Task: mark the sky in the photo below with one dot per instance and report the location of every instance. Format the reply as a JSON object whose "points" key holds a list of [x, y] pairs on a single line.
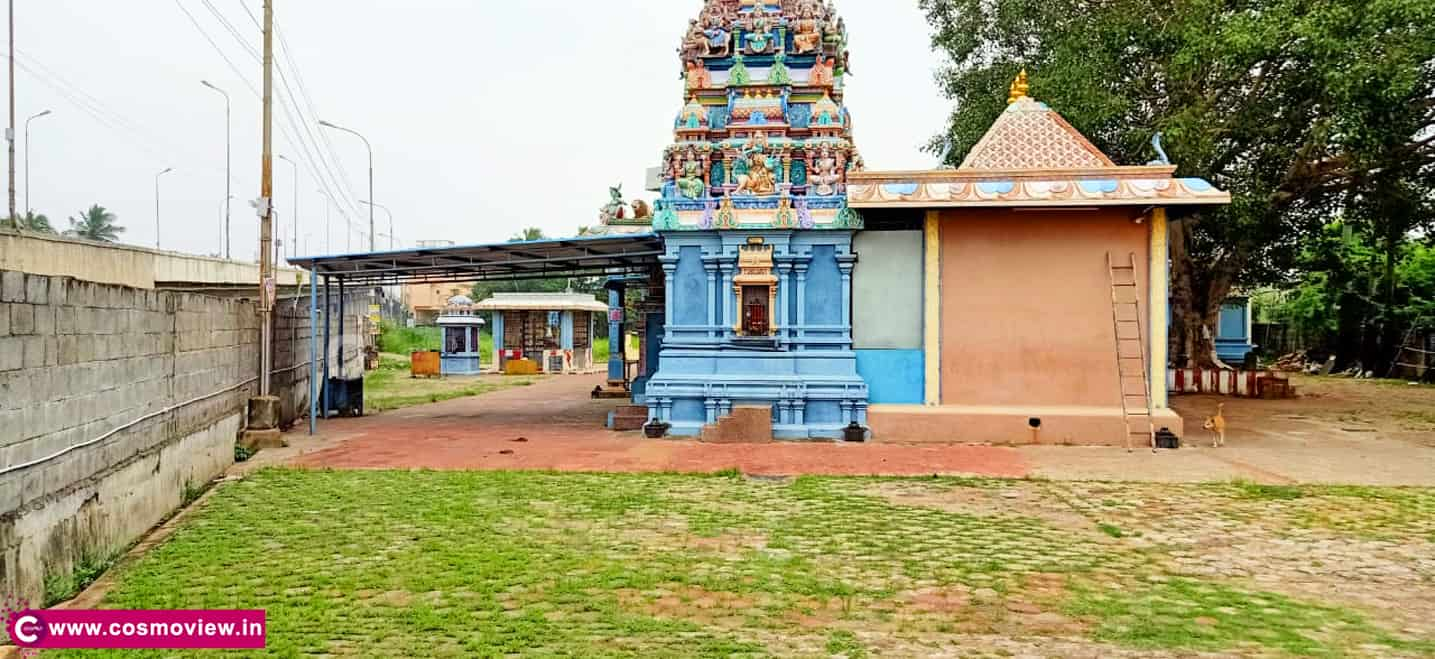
{"points": [[485, 116]]}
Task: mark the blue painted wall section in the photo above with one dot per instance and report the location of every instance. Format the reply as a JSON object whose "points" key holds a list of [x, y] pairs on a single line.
{"points": [[894, 377], [808, 376]]}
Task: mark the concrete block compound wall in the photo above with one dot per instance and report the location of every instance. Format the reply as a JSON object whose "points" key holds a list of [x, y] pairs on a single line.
{"points": [[79, 360]]}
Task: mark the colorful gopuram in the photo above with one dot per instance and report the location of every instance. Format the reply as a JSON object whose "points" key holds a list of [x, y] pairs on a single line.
{"points": [[758, 264]]}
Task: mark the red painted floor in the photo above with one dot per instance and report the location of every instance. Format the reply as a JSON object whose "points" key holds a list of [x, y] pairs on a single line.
{"points": [[554, 425]]}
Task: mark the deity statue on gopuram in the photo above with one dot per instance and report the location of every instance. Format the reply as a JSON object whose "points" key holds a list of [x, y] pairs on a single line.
{"points": [[761, 130]]}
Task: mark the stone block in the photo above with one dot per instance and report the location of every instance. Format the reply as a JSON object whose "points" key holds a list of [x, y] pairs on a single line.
{"points": [[748, 424], [37, 289], [59, 290], [12, 286], [261, 439], [4, 321], [44, 320], [34, 347], [22, 319]]}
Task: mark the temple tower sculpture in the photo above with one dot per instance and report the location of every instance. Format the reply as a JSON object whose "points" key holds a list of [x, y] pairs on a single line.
{"points": [[758, 264]]}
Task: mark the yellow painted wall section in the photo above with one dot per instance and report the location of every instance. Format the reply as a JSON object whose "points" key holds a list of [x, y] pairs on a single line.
{"points": [[1160, 302], [932, 313]]}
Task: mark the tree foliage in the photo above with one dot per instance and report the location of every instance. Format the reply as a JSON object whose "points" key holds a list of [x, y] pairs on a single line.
{"points": [[31, 221], [96, 224], [1299, 108]]}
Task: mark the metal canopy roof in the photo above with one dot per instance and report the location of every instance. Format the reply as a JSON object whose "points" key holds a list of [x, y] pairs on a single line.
{"points": [[596, 256]]}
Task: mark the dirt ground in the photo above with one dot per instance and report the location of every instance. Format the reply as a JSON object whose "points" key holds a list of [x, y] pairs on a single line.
{"points": [[1337, 432]]}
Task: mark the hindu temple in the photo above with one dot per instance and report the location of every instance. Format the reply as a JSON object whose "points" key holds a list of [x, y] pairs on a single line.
{"points": [[757, 232]]}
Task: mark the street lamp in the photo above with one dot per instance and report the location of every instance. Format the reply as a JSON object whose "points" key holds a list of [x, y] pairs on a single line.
{"points": [[294, 220], [370, 147], [390, 213], [27, 156], [156, 193], [228, 196]]}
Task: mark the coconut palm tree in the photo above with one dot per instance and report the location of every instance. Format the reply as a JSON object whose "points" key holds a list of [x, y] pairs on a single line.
{"points": [[31, 221], [531, 233], [96, 224]]}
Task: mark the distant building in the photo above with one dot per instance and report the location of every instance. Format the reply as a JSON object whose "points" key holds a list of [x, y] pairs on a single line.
{"points": [[428, 300]]}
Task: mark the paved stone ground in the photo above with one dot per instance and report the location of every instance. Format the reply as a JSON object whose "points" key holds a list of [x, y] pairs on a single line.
{"points": [[561, 428]]}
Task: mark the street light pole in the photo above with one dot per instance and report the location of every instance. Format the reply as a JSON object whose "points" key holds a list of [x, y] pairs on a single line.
{"points": [[370, 147], [156, 194], [294, 217], [227, 195], [390, 213], [27, 157], [224, 209]]}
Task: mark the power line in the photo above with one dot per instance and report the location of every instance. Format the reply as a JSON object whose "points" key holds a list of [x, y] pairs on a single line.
{"points": [[307, 156], [305, 125]]}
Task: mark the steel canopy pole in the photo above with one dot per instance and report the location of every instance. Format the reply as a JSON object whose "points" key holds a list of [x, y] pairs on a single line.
{"points": [[313, 349]]}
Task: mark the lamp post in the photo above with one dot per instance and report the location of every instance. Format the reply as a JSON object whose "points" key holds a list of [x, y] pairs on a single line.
{"points": [[156, 193], [224, 224], [227, 195], [370, 147], [388, 212], [27, 156], [294, 217]]}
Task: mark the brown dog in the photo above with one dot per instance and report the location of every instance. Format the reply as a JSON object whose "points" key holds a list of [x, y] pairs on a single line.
{"points": [[1217, 426]]}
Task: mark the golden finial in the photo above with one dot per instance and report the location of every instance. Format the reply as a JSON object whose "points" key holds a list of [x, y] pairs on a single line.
{"points": [[1019, 88]]}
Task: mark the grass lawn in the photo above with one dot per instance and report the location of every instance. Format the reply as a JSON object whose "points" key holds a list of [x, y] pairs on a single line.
{"points": [[390, 387], [498, 563]]}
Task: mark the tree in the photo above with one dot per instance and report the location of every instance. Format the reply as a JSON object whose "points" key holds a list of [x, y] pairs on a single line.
{"points": [[96, 224], [32, 221], [1291, 105]]}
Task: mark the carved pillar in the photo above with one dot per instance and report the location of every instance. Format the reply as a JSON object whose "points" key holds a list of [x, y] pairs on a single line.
{"points": [[801, 268], [670, 267], [845, 263], [707, 170], [780, 316], [711, 404], [787, 167], [847, 412], [726, 301], [727, 169]]}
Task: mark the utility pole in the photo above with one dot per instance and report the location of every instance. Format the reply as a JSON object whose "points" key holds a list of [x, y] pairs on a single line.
{"points": [[266, 207], [263, 427], [10, 132]]}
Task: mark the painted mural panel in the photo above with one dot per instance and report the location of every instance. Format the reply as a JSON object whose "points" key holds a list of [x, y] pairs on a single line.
{"points": [[1026, 305]]}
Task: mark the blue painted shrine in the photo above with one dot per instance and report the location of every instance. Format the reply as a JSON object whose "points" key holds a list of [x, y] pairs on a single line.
{"points": [[757, 273]]}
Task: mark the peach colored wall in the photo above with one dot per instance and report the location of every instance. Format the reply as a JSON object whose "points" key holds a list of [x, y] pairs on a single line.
{"points": [[1026, 305]]}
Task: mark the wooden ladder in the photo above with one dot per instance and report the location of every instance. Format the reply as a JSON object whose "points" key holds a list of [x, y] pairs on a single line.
{"points": [[1132, 372]]}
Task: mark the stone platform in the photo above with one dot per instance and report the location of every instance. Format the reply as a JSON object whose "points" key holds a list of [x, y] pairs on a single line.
{"points": [[1010, 426]]}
